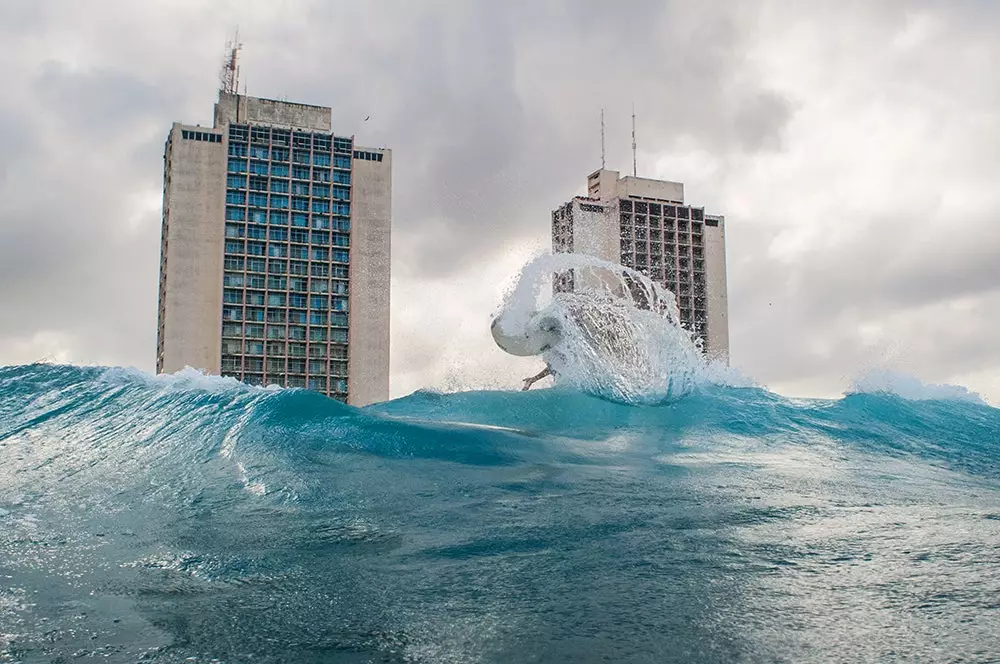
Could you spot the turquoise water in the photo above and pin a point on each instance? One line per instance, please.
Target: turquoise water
(187, 518)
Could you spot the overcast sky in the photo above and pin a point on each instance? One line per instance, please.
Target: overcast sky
(854, 148)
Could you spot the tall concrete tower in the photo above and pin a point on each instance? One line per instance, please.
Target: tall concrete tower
(644, 224)
(274, 258)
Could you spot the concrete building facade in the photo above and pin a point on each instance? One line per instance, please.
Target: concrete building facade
(645, 225)
(275, 251)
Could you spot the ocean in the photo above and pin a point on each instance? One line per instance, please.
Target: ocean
(187, 518)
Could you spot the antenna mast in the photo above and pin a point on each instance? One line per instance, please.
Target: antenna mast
(229, 77)
(602, 139)
(635, 171)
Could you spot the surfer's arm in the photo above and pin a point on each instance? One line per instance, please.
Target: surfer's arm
(528, 382)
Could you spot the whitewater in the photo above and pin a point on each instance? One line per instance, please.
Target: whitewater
(691, 517)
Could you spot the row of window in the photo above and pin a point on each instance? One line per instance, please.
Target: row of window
(641, 260)
(284, 202)
(281, 202)
(201, 136)
(316, 350)
(657, 209)
(264, 134)
(231, 282)
(319, 221)
(299, 172)
(281, 365)
(667, 244)
(660, 224)
(262, 168)
(282, 316)
(264, 153)
(294, 332)
(283, 234)
(239, 263)
(280, 183)
(338, 386)
(316, 286)
(295, 284)
(277, 186)
(299, 252)
(367, 156)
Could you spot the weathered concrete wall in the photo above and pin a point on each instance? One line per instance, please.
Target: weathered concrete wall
(659, 189)
(716, 289)
(191, 260)
(240, 108)
(371, 223)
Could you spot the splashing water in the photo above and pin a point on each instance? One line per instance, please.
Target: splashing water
(617, 335)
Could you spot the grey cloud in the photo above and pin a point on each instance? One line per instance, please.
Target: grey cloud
(96, 101)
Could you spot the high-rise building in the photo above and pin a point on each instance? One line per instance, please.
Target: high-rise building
(645, 225)
(274, 259)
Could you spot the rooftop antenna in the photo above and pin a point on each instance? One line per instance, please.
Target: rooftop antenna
(635, 171)
(229, 77)
(602, 139)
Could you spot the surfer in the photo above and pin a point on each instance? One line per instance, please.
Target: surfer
(642, 298)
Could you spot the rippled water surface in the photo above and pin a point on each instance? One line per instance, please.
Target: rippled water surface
(189, 519)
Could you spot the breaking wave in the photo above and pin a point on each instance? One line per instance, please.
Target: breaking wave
(618, 336)
(191, 518)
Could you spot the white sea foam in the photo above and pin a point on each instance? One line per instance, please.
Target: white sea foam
(185, 379)
(883, 381)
